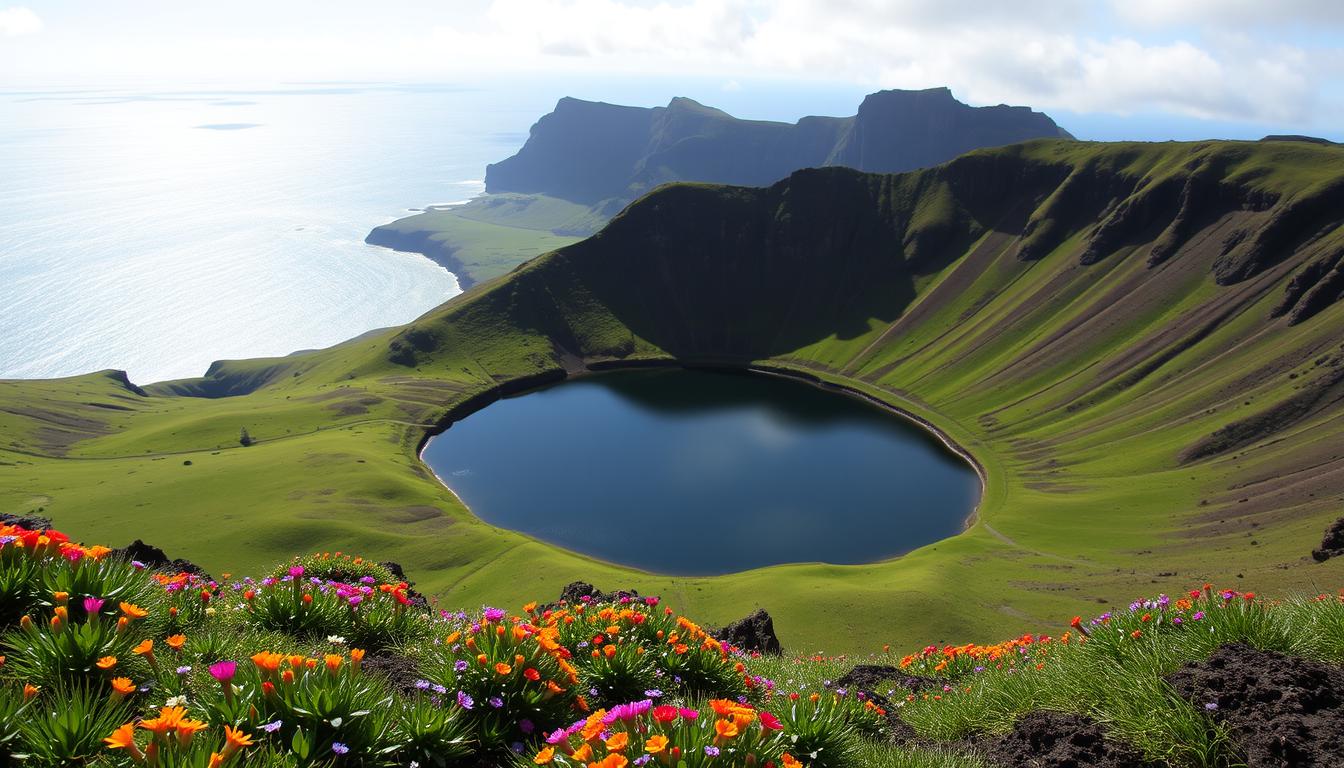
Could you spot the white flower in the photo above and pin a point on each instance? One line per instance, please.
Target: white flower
(336, 639)
(176, 701)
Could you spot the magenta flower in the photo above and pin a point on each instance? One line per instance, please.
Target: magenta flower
(494, 614)
(223, 671)
(296, 571)
(93, 605)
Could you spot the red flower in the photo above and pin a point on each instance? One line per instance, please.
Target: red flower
(665, 714)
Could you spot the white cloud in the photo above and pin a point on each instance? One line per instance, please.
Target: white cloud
(1045, 54)
(1234, 13)
(16, 21)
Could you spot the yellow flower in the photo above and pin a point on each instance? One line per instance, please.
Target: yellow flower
(655, 744)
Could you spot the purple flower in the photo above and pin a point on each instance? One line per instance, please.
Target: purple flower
(339, 748)
(526, 726)
(642, 760)
(464, 701)
(460, 665)
(184, 670)
(136, 564)
(711, 750)
(496, 702)
(1211, 706)
(494, 614)
(367, 580)
(272, 727)
(355, 600)
(653, 693)
(223, 671)
(92, 605)
(422, 685)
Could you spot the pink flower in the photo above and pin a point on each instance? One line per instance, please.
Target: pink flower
(770, 722)
(223, 671)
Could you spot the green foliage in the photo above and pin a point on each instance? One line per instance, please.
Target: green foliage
(52, 651)
(65, 725)
(821, 732)
(432, 734)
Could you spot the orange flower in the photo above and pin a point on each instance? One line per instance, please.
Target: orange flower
(789, 761)
(216, 760)
(188, 728)
(29, 691)
(333, 662)
(612, 761)
(267, 661)
(235, 739)
(502, 668)
(145, 647)
(176, 641)
(107, 662)
(132, 610)
(726, 729)
(124, 738)
(544, 756)
(582, 753)
(655, 744)
(356, 656)
(167, 721)
(618, 742)
(122, 685)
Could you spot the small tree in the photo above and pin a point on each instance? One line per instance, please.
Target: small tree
(244, 439)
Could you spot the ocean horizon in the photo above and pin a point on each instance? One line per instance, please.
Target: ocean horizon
(156, 231)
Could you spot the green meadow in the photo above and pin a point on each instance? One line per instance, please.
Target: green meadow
(1143, 417)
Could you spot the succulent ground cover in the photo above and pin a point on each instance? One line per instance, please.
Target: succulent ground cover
(331, 660)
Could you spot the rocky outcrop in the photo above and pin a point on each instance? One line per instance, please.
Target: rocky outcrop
(1332, 544)
(752, 634)
(31, 522)
(154, 559)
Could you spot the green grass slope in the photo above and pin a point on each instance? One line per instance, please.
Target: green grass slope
(1139, 343)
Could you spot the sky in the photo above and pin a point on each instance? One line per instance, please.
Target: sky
(1106, 69)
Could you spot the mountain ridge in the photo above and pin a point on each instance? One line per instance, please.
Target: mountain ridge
(620, 152)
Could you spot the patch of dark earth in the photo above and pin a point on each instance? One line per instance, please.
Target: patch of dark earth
(1056, 740)
(1280, 710)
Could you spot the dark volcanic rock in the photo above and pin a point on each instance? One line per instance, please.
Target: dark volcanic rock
(31, 522)
(417, 599)
(753, 634)
(1282, 711)
(155, 559)
(1057, 740)
(575, 592)
(1332, 545)
(866, 678)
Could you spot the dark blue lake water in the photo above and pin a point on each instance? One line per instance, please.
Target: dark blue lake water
(695, 473)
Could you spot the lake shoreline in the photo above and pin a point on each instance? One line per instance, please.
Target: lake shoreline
(534, 383)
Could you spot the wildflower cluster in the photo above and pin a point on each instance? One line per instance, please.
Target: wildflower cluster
(723, 733)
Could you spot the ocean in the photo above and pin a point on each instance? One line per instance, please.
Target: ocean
(158, 230)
